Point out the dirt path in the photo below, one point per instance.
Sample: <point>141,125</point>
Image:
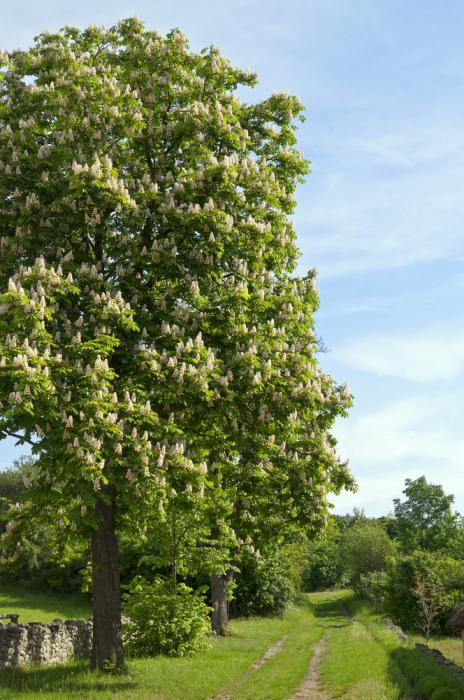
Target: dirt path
<point>268,654</point>
<point>309,689</point>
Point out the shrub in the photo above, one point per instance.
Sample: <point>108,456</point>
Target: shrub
<point>263,585</point>
<point>325,568</point>
<point>164,618</point>
<point>440,573</point>
<point>372,587</point>
<point>365,548</point>
<point>446,694</point>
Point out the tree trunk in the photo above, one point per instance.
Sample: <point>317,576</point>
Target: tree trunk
<point>219,602</point>
<point>107,647</point>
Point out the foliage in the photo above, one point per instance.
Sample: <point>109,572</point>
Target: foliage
<point>263,584</point>
<point>46,562</point>
<point>13,479</point>
<point>353,545</point>
<point>441,575</point>
<point>154,339</point>
<point>325,567</point>
<point>365,548</point>
<point>296,556</point>
<point>185,543</point>
<point>429,597</point>
<point>372,586</point>
<point>164,618</point>
<point>43,558</point>
<point>424,520</point>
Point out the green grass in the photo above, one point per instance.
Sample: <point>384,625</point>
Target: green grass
<point>226,662</point>
<point>408,667</point>
<point>357,664</point>
<point>37,606</point>
<point>362,660</point>
<point>451,647</point>
<point>283,673</point>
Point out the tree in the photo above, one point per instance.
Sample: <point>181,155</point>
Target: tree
<point>153,337</point>
<point>13,480</point>
<point>428,594</point>
<point>424,519</point>
<point>442,576</point>
<point>365,548</point>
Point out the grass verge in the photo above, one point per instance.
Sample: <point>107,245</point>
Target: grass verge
<point>363,660</point>
<point>408,666</point>
<point>225,666</point>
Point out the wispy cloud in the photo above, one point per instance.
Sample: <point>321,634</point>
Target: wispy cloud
<point>432,355</point>
<point>407,438</point>
<point>415,145</point>
<point>408,300</point>
<point>352,223</point>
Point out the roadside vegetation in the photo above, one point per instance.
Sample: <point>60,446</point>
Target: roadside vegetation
<point>262,657</point>
<point>293,601</point>
<point>408,565</point>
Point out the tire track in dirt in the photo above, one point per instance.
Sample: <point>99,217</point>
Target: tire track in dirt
<point>310,688</point>
<point>268,654</point>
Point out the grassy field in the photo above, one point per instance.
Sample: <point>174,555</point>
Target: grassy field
<point>34,606</point>
<point>263,659</point>
<point>451,647</point>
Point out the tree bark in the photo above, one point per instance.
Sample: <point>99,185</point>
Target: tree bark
<point>107,649</point>
<point>219,602</point>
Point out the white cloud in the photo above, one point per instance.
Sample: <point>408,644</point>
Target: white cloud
<point>432,355</point>
<point>369,220</point>
<point>423,428</point>
<point>415,145</point>
<point>407,438</point>
<point>386,192</point>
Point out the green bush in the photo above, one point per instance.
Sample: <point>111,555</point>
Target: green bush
<point>446,694</point>
<point>263,585</point>
<point>325,568</point>
<point>425,687</point>
<point>365,548</point>
<point>440,572</point>
<point>164,618</point>
<point>372,587</point>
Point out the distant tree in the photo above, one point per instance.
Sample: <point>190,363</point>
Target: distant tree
<point>428,594</point>
<point>13,480</point>
<point>442,575</point>
<point>263,586</point>
<point>424,520</point>
<point>326,567</point>
<point>365,548</point>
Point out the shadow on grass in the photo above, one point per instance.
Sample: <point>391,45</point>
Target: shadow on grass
<point>71,678</point>
<point>419,675</point>
<point>328,610</point>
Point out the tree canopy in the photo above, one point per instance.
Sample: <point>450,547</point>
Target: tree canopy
<point>155,342</point>
<point>424,519</point>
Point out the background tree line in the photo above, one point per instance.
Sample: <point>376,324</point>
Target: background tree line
<point>409,564</point>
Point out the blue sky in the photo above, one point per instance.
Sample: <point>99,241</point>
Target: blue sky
<point>381,216</point>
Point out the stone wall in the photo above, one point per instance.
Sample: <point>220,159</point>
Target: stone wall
<point>430,651</point>
<point>37,643</point>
